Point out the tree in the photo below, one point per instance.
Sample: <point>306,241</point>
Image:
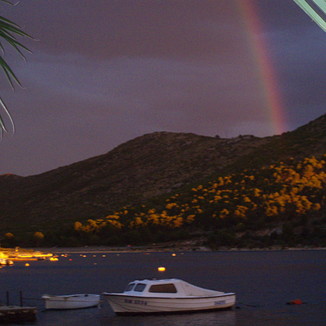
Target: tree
<point>38,237</point>
<point>9,239</point>
<point>9,31</point>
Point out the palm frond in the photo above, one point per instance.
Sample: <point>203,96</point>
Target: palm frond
<point>8,72</point>
<point>9,31</point>
<point>315,9</point>
<point>2,123</point>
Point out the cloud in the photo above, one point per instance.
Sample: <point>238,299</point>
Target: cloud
<point>130,28</point>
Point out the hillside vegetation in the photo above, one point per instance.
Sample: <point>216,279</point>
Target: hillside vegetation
<point>243,191</point>
<point>279,204</point>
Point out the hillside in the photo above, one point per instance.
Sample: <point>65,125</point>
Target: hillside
<point>139,170</point>
<point>280,204</point>
<point>305,141</point>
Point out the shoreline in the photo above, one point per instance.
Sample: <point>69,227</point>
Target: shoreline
<point>146,249</point>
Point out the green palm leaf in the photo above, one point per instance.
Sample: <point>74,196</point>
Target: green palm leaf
<point>2,123</point>
<point>315,9</point>
<point>9,31</point>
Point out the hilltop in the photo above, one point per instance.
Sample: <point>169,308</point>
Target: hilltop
<point>147,168</point>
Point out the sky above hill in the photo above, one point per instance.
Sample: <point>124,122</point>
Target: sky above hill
<point>106,71</point>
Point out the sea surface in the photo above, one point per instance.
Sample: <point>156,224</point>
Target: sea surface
<point>264,282</point>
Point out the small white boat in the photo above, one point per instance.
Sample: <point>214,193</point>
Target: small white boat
<point>167,296</point>
<point>71,301</point>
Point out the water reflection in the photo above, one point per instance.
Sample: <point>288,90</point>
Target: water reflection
<point>219,318</point>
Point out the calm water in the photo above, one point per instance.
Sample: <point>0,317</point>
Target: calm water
<point>263,282</point>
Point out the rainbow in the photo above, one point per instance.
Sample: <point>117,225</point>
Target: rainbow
<point>265,70</point>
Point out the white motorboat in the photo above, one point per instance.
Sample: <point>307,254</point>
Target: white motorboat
<point>167,296</point>
<point>71,301</point>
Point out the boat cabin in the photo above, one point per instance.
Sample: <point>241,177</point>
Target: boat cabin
<point>167,287</point>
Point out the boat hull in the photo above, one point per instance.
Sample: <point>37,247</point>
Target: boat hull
<point>127,305</point>
<point>71,301</point>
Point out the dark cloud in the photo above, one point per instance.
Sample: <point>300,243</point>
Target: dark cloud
<point>108,29</point>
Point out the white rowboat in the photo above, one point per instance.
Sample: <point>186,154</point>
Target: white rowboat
<point>71,301</point>
<point>167,296</point>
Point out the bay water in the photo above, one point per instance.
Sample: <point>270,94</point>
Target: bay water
<point>264,281</point>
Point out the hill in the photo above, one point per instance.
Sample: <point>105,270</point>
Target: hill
<point>280,204</point>
<point>148,167</point>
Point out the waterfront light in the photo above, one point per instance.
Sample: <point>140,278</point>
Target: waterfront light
<point>161,269</point>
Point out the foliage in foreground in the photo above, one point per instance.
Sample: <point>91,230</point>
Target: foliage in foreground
<point>9,31</point>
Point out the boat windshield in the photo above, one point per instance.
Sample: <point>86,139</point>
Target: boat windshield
<point>163,288</point>
<point>129,287</point>
<point>140,287</point>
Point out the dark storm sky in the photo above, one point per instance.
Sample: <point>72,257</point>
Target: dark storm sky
<point>103,72</point>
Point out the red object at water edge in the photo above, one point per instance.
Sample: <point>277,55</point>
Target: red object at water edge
<point>296,301</point>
